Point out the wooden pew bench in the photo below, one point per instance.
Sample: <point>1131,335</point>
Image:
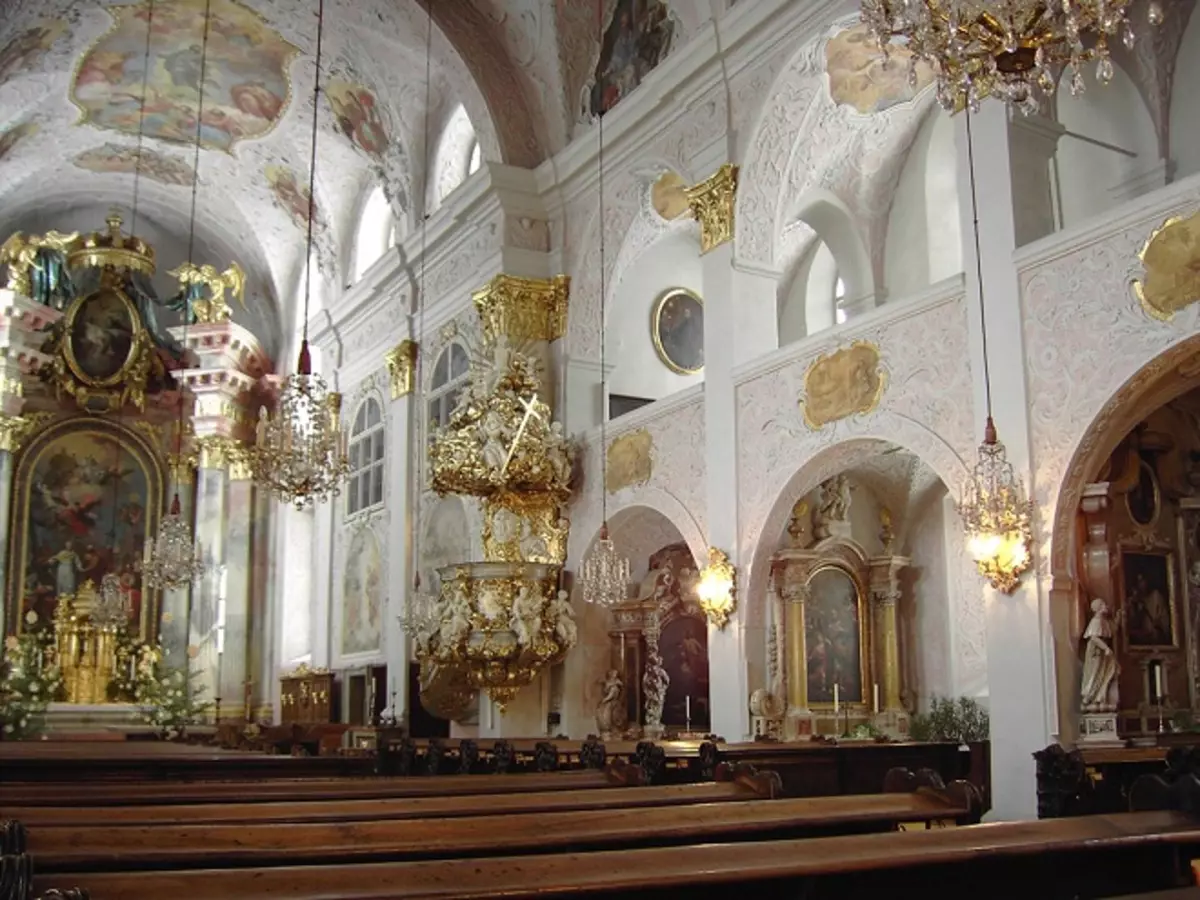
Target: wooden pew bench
<point>733,787</point>
<point>1098,856</point>
<point>63,849</point>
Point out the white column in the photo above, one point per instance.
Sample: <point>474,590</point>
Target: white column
<point>323,575</point>
<point>396,642</point>
<point>1020,694</point>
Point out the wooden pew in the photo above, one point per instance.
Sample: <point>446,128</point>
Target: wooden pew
<point>1097,856</point>
<point>732,786</point>
<point>60,849</point>
<point>156,793</point>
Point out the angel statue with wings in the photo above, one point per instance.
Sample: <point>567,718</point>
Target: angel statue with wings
<point>202,292</point>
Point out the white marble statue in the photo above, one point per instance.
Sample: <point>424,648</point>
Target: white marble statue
<point>1098,691</point>
<point>833,505</point>
<point>611,714</point>
<point>495,450</point>
<point>566,632</point>
<point>527,616</point>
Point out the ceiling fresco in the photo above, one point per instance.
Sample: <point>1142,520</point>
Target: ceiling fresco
<point>860,76</point>
<point>245,65</point>
<point>119,160</point>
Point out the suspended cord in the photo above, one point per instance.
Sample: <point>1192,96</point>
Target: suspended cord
<point>603,276</point>
<point>312,176</point>
<point>987,377</point>
<point>420,383</point>
<point>137,169</point>
<point>199,129</point>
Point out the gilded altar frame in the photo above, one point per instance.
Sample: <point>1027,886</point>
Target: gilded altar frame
<point>136,445</point>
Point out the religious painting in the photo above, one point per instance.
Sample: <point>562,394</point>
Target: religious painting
<point>100,336</point>
<point>638,38</point>
<point>1143,501</point>
<point>847,382</point>
<point>362,593</point>
<point>358,117</point>
<point>87,499</point>
<point>113,158</point>
<point>684,648</point>
<point>677,329</point>
<point>246,83</point>
<point>9,139</point>
<point>1171,281</point>
<point>860,76</point>
<point>24,50</point>
<point>1148,598</point>
<point>833,637</point>
<point>630,460</point>
<point>292,196</point>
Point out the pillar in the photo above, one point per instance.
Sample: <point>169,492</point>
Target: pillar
<point>1020,696</point>
<point>885,594</point>
<point>212,482</point>
<point>173,627</point>
<point>13,430</point>
<point>1033,142</point>
<point>401,363</point>
<point>799,716</point>
<point>236,667</point>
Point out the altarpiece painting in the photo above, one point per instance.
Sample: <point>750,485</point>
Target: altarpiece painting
<point>833,637</point>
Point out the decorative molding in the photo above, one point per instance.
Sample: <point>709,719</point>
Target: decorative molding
<point>712,203</point>
<point>15,430</point>
<point>523,309</point>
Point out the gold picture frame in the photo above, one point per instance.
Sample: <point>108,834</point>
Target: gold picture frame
<point>863,666</point>
<point>1147,584</point>
<point>676,297</point>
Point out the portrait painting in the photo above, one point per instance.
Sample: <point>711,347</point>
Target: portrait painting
<point>833,637</point>
<point>1143,501</point>
<point>24,50</point>
<point>637,39</point>
<point>358,116</point>
<point>1148,602</point>
<point>677,329</point>
<point>246,83</point>
<point>862,78</point>
<point>362,593</point>
<point>113,158</point>
<point>684,647</point>
<point>9,139</point>
<point>100,334</point>
<point>87,500</point>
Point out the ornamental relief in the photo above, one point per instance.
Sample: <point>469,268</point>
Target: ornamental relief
<point>1086,337</point>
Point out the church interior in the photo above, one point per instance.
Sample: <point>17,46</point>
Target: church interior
<point>501,448</point>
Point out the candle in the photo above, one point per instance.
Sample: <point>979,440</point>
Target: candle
<point>687,705</point>
<point>1158,690</point>
<point>622,654</point>
<point>875,697</point>
<point>835,699</point>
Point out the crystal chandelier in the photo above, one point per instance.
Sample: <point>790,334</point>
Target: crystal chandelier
<point>1010,49</point>
<point>112,607</point>
<point>173,559</point>
<point>300,451</point>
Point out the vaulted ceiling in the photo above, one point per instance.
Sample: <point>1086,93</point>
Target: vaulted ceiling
<point>71,84</point>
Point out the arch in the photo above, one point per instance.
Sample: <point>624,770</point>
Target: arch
<point>834,223</point>
<point>452,159</point>
<point>376,232</point>
<point>448,376</point>
<point>628,503</point>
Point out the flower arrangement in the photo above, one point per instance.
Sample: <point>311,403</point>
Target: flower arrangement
<point>27,685</point>
<point>168,695</point>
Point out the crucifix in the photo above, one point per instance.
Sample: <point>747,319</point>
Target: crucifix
<point>530,412</point>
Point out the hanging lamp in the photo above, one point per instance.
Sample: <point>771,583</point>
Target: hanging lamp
<point>994,510</point>
<point>605,574</point>
<point>299,454</point>
<point>172,559</point>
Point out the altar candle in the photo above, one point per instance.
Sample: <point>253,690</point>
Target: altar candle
<point>1158,691</point>
<point>687,704</point>
<point>875,697</point>
<point>622,653</point>
<point>835,699</point>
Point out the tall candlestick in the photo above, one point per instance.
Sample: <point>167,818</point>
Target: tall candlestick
<point>836,697</point>
<point>687,706</point>
<point>875,697</point>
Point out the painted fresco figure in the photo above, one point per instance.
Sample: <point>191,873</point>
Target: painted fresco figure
<point>66,565</point>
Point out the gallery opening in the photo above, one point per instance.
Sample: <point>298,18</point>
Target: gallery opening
<point>501,448</point>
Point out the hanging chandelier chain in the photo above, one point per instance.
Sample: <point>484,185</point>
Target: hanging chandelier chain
<point>312,167</point>
<point>141,137</point>
<point>987,372</point>
<point>199,132</point>
<point>603,298</point>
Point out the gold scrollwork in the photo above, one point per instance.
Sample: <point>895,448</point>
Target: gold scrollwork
<point>1172,276</point>
<point>847,382</point>
<point>216,451</point>
<point>712,202</point>
<point>523,309</point>
<point>14,430</point>
<point>524,528</point>
<point>402,363</point>
<point>717,588</point>
<point>630,460</point>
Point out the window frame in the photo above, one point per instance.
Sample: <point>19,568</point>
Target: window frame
<point>369,434</point>
<point>444,395</point>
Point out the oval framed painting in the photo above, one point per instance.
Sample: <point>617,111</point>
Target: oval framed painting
<point>101,337</point>
<point>677,329</point>
<point>1144,501</point>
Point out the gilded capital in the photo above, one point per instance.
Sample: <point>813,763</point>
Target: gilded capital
<point>15,429</point>
<point>401,364</point>
<point>523,309</point>
<point>215,451</point>
<point>238,457</point>
<point>712,202</point>
<point>182,466</point>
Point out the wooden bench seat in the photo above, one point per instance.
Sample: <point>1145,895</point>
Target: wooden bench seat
<point>127,848</point>
<point>419,807</point>
<point>1097,856</point>
<point>156,793</point>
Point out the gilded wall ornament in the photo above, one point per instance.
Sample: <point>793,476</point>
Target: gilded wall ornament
<point>524,528</point>
<point>847,382</point>
<point>15,430</point>
<point>1171,260</point>
<point>630,460</point>
<point>216,451</point>
<point>523,309</point>
<point>712,202</point>
<point>402,363</point>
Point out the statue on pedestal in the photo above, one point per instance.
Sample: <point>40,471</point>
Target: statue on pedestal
<point>1098,691</point>
<point>611,715</point>
<point>833,506</point>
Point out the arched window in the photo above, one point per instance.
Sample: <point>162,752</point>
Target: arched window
<point>376,232</point>
<point>366,458</point>
<point>476,159</point>
<point>455,157</point>
<point>839,292</point>
<point>449,376</point>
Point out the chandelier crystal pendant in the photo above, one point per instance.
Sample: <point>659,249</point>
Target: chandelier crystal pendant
<point>172,559</point>
<point>605,573</point>
<point>299,454</point>
<point>1010,49</point>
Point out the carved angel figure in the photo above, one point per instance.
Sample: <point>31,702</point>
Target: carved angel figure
<point>37,267</point>
<point>455,627</point>
<point>527,616</point>
<point>494,451</point>
<point>1098,690</point>
<point>611,714</point>
<point>195,281</point>
<point>566,632</point>
<point>833,505</point>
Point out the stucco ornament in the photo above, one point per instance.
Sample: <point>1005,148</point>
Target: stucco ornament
<point>630,460</point>
<point>1171,260</point>
<point>847,382</point>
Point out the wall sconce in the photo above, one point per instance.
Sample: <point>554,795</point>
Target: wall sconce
<point>717,588</point>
